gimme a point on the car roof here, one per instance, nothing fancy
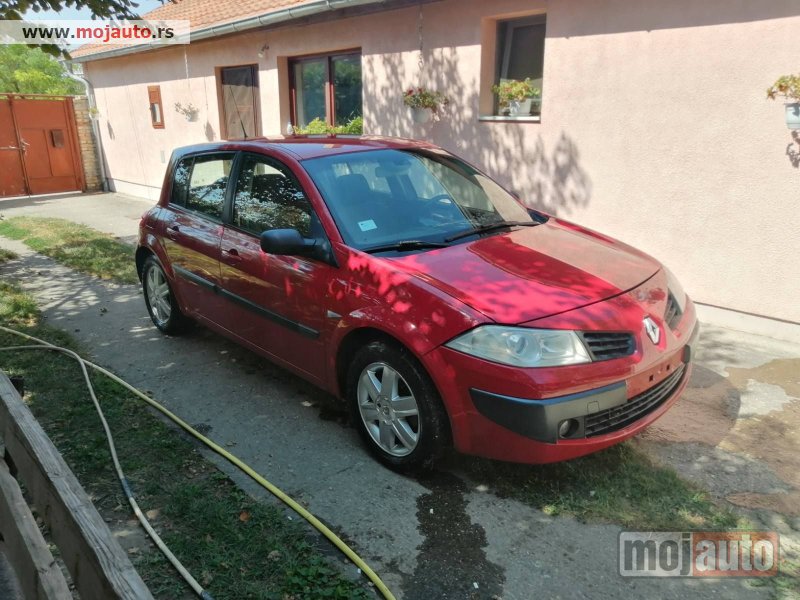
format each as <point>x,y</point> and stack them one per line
<point>305,147</point>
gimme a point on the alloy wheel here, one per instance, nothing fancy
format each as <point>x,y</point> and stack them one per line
<point>389,409</point>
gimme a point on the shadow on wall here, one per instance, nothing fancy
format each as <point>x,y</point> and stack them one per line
<point>793,150</point>
<point>210,134</point>
<point>515,154</point>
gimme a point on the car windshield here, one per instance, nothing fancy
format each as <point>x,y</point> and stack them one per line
<point>383,197</point>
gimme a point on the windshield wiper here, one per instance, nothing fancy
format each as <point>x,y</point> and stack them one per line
<point>405,245</point>
<point>490,227</point>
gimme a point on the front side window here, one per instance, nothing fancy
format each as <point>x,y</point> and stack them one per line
<point>238,90</point>
<point>383,197</point>
<point>326,89</point>
<point>269,197</point>
<point>199,183</point>
<point>520,66</point>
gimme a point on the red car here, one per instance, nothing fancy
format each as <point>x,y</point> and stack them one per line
<point>395,275</point>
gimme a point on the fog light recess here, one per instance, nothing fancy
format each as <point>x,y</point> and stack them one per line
<point>567,428</point>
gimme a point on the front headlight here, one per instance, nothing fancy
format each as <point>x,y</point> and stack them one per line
<point>522,347</point>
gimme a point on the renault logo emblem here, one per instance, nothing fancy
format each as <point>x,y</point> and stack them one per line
<point>652,329</point>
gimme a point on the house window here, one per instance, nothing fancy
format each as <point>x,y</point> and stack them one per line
<point>520,57</point>
<point>238,100</point>
<point>327,88</point>
<point>156,110</point>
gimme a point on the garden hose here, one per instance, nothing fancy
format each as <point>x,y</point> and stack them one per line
<point>278,493</point>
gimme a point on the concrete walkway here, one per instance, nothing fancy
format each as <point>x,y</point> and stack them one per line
<point>436,537</point>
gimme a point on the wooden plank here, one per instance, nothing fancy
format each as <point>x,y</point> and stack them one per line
<point>99,567</point>
<point>37,572</point>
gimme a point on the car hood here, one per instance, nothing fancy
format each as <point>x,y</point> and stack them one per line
<point>532,272</point>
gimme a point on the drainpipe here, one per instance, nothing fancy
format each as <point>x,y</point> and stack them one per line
<point>98,142</point>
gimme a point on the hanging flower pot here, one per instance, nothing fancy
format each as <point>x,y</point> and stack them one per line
<point>788,87</point>
<point>793,115</point>
<point>424,103</point>
<point>189,111</point>
<point>421,115</point>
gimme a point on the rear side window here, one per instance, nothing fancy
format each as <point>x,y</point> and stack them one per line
<point>268,197</point>
<point>180,182</point>
<point>199,183</point>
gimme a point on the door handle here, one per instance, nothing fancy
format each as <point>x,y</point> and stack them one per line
<point>173,231</point>
<point>233,255</point>
<point>9,148</point>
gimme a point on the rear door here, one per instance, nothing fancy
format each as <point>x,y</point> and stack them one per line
<point>193,228</point>
<point>277,303</point>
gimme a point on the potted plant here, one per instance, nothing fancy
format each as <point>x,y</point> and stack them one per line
<point>424,103</point>
<point>190,111</point>
<point>516,95</point>
<point>788,87</point>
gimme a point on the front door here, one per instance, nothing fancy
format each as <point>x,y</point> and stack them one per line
<point>193,230</point>
<point>277,302</point>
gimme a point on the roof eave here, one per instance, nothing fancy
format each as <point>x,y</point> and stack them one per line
<point>283,15</point>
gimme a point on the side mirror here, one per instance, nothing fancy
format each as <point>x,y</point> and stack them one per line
<point>286,242</point>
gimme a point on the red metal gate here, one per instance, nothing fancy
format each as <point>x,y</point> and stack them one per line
<point>39,151</point>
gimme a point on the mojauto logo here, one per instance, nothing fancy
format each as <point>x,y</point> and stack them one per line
<point>698,553</point>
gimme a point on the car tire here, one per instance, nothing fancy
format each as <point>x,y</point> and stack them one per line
<point>161,303</point>
<point>395,407</point>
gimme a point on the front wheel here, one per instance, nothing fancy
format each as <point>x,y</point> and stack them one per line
<point>395,407</point>
<point>161,303</point>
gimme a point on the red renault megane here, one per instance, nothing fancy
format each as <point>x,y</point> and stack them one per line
<point>395,275</point>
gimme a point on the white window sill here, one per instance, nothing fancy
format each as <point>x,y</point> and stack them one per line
<point>508,119</point>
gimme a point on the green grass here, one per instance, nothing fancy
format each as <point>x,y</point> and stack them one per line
<point>6,255</point>
<point>618,485</point>
<point>236,546</point>
<point>76,246</point>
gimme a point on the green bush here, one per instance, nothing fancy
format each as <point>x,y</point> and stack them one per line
<point>354,126</point>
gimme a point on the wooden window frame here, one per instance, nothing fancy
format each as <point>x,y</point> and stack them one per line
<point>330,87</point>
<point>154,98</point>
<point>223,127</point>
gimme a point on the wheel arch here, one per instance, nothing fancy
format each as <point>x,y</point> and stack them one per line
<point>142,252</point>
<point>350,344</point>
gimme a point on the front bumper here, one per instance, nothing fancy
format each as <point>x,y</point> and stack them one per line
<point>587,414</point>
<point>513,414</point>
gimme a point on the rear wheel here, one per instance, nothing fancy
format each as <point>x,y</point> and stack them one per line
<point>161,303</point>
<point>395,407</point>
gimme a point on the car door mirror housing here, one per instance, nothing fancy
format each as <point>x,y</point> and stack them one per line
<point>286,242</point>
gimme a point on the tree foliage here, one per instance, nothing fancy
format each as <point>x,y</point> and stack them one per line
<point>103,9</point>
<point>29,70</point>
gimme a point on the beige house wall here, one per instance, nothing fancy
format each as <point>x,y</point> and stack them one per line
<point>655,128</point>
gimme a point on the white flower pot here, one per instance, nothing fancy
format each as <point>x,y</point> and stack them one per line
<point>793,115</point>
<point>421,115</point>
<point>520,108</point>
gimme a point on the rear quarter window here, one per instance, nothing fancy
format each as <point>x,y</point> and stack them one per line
<point>199,183</point>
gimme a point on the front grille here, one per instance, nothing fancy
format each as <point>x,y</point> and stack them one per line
<point>605,345</point>
<point>618,417</point>
<point>673,314</point>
